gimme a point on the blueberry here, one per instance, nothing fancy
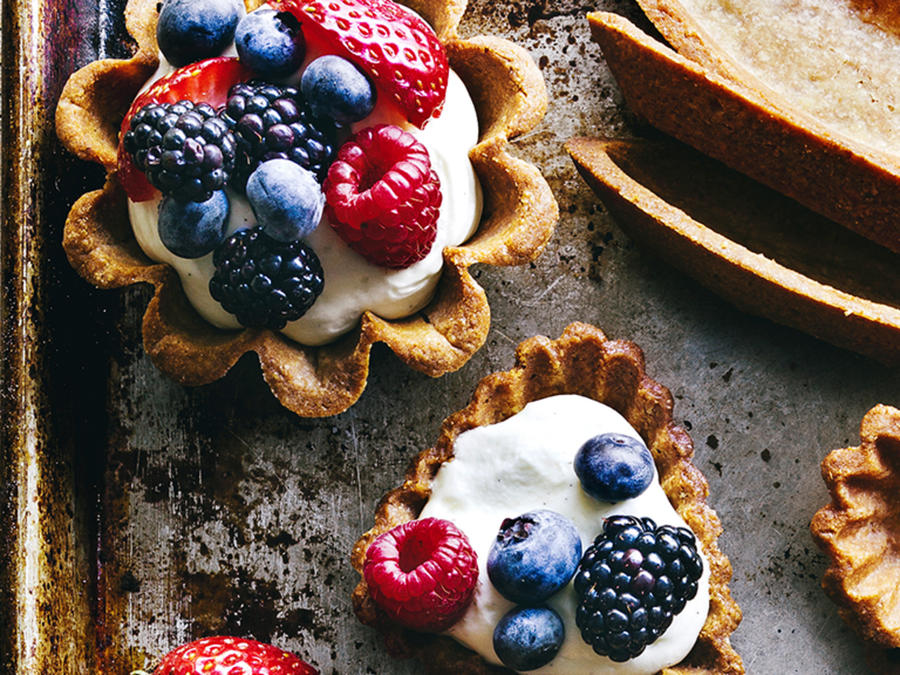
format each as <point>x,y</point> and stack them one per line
<point>534,556</point>
<point>192,30</point>
<point>527,638</point>
<point>613,467</point>
<point>270,42</point>
<point>193,229</point>
<point>336,89</point>
<point>286,199</point>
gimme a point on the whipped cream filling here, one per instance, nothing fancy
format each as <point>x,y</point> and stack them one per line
<point>525,463</point>
<point>352,284</point>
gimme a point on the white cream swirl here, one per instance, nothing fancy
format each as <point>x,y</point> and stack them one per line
<point>525,463</point>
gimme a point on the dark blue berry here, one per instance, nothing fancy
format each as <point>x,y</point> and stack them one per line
<point>639,600</point>
<point>286,199</point>
<point>193,30</point>
<point>533,556</point>
<point>527,638</point>
<point>193,229</point>
<point>336,89</point>
<point>270,43</point>
<point>613,467</point>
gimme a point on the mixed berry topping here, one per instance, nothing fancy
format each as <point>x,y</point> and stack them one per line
<point>533,556</point>
<point>383,196</point>
<point>527,638</point>
<point>422,573</point>
<point>272,122</point>
<point>185,150</point>
<point>264,282</point>
<point>193,30</point>
<point>613,467</point>
<point>631,582</point>
<point>393,46</point>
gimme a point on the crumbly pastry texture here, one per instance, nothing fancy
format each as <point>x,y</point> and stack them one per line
<point>583,362</point>
<point>858,531</point>
<point>519,215</point>
<point>699,96</point>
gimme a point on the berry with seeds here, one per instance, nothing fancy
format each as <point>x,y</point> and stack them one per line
<point>193,229</point>
<point>631,582</point>
<point>613,467</point>
<point>383,198</point>
<point>192,30</point>
<point>263,282</point>
<point>204,82</point>
<point>422,573</point>
<point>335,88</point>
<point>393,46</point>
<point>225,655</point>
<point>270,43</point>
<point>527,638</point>
<point>533,556</point>
<point>186,151</point>
<point>286,199</point>
<point>272,122</point>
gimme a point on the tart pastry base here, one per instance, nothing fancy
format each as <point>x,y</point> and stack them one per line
<point>859,531</point>
<point>519,214</point>
<point>583,362</point>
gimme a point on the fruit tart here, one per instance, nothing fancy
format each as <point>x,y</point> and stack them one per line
<point>302,180</point>
<point>557,526</point>
<point>858,532</point>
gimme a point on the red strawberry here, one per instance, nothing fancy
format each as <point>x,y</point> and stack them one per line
<point>396,48</point>
<point>229,655</point>
<point>383,198</point>
<point>422,573</point>
<point>202,82</point>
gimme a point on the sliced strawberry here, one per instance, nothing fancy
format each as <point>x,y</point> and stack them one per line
<point>202,82</point>
<point>396,48</point>
<point>223,655</point>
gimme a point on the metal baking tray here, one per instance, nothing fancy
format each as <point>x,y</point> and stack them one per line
<point>137,514</point>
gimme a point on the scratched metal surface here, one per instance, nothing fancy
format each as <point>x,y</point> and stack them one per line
<point>187,512</point>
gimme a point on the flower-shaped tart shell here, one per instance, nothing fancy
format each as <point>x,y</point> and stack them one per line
<point>859,531</point>
<point>519,214</point>
<point>583,362</point>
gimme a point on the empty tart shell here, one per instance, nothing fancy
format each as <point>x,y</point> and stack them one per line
<point>519,214</point>
<point>859,531</point>
<point>749,128</point>
<point>756,248</point>
<point>583,362</point>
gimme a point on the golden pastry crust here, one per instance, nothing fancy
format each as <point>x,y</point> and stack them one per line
<point>859,531</point>
<point>519,214</point>
<point>583,362</point>
<point>744,127</point>
<point>784,262</point>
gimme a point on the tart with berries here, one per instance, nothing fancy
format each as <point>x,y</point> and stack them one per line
<point>302,180</point>
<point>557,526</point>
<point>858,532</point>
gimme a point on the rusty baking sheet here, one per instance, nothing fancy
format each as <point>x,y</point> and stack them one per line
<point>136,514</point>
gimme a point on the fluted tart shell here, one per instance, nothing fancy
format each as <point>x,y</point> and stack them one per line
<point>583,362</point>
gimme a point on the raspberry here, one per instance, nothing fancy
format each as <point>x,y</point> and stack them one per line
<point>272,122</point>
<point>631,582</point>
<point>264,282</point>
<point>185,149</point>
<point>383,197</point>
<point>422,573</point>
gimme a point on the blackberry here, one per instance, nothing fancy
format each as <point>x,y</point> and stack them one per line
<point>185,149</point>
<point>263,282</point>
<point>631,582</point>
<point>272,122</point>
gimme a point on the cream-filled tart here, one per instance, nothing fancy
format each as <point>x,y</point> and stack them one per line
<point>510,461</point>
<point>306,186</point>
